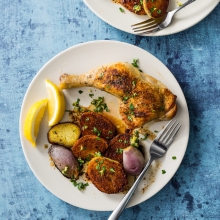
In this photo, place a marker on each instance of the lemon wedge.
(33, 120)
(56, 103)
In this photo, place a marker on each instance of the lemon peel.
(56, 103)
(33, 120)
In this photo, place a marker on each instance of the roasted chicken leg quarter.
(142, 97)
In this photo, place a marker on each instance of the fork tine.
(163, 131)
(145, 25)
(174, 134)
(146, 28)
(151, 31)
(169, 134)
(143, 22)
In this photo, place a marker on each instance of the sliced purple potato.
(64, 161)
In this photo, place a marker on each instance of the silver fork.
(157, 150)
(153, 25)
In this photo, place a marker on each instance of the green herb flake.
(102, 171)
(85, 127)
(163, 171)
(79, 185)
(87, 119)
(137, 8)
(159, 11)
(81, 162)
(100, 105)
(95, 130)
(121, 9)
(135, 63)
(91, 95)
(112, 170)
(145, 137)
(155, 131)
(80, 91)
(119, 150)
(64, 170)
(97, 154)
(98, 138)
(174, 157)
(130, 118)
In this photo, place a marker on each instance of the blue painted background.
(32, 32)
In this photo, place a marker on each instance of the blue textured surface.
(32, 32)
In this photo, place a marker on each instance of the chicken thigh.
(142, 97)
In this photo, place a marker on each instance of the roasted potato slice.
(107, 175)
(92, 123)
(135, 6)
(88, 145)
(65, 134)
(156, 8)
(116, 146)
(64, 160)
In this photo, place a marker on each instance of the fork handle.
(184, 5)
(118, 210)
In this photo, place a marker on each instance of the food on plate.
(56, 104)
(135, 6)
(116, 146)
(93, 123)
(88, 146)
(156, 8)
(65, 134)
(107, 175)
(142, 97)
(133, 161)
(33, 120)
(64, 160)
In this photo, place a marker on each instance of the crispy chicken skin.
(143, 98)
(107, 175)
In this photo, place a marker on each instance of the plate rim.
(48, 63)
(160, 33)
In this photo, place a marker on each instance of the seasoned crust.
(132, 4)
(156, 8)
(113, 152)
(88, 145)
(107, 175)
(93, 123)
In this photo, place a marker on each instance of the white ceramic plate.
(109, 12)
(79, 59)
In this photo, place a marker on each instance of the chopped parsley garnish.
(131, 107)
(130, 118)
(95, 130)
(120, 141)
(80, 91)
(110, 132)
(100, 105)
(64, 170)
(155, 131)
(81, 162)
(163, 171)
(121, 9)
(119, 150)
(102, 171)
(145, 137)
(82, 148)
(79, 185)
(91, 95)
(85, 127)
(135, 63)
(134, 140)
(76, 106)
(137, 8)
(98, 138)
(134, 83)
(112, 170)
(87, 119)
(174, 157)
(97, 154)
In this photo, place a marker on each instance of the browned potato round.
(65, 134)
(116, 146)
(88, 145)
(157, 8)
(92, 123)
(134, 6)
(107, 175)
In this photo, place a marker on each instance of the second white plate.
(109, 12)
